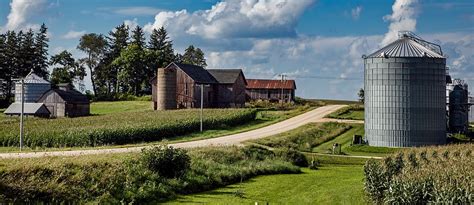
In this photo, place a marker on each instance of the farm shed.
(36, 109)
(65, 102)
(272, 90)
(230, 88)
(222, 87)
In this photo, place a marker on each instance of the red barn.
(271, 90)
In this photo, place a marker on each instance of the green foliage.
(194, 56)
(128, 179)
(352, 112)
(306, 137)
(293, 156)
(94, 46)
(166, 161)
(117, 128)
(67, 69)
(421, 175)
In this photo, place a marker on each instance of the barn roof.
(270, 84)
(197, 73)
(226, 76)
(29, 109)
(69, 96)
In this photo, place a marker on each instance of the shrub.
(314, 164)
(166, 161)
(293, 156)
(257, 152)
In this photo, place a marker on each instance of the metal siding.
(405, 102)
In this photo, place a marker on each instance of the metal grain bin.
(34, 87)
(405, 99)
(459, 107)
(166, 88)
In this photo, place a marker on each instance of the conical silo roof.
(405, 47)
(32, 78)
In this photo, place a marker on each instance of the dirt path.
(316, 115)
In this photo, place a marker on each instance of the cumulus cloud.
(131, 23)
(73, 34)
(21, 11)
(355, 12)
(403, 18)
(136, 10)
(235, 18)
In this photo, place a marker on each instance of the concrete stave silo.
(405, 94)
(166, 88)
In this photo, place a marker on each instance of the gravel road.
(316, 115)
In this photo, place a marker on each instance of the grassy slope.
(100, 108)
(328, 185)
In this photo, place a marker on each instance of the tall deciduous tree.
(94, 46)
(132, 68)
(67, 69)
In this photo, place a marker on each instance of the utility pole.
(283, 76)
(22, 112)
(202, 102)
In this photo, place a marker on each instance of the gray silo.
(458, 107)
(34, 87)
(405, 94)
(166, 88)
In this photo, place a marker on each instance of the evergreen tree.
(11, 63)
(94, 46)
(27, 53)
(138, 37)
(117, 41)
(40, 63)
(161, 50)
(67, 69)
(194, 56)
(3, 66)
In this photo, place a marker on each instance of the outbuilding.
(65, 102)
(271, 90)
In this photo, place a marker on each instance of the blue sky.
(318, 43)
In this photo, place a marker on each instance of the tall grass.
(351, 112)
(128, 178)
(306, 137)
(117, 128)
(423, 175)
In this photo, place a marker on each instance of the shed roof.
(32, 78)
(405, 47)
(69, 96)
(226, 76)
(29, 109)
(270, 84)
(197, 73)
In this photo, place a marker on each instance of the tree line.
(121, 62)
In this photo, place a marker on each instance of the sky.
(317, 43)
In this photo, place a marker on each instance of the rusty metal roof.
(405, 47)
(270, 84)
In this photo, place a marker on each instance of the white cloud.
(73, 34)
(131, 23)
(355, 12)
(235, 18)
(21, 11)
(403, 18)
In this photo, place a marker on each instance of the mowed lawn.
(331, 184)
(100, 108)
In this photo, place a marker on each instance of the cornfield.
(117, 128)
(423, 175)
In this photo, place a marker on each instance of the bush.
(166, 161)
(314, 164)
(422, 175)
(293, 156)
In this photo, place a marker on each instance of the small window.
(185, 89)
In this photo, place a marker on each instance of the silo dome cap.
(405, 46)
(32, 78)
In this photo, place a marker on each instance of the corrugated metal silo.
(405, 99)
(459, 107)
(166, 88)
(34, 87)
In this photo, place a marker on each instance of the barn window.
(185, 89)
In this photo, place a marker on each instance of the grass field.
(352, 112)
(101, 108)
(327, 185)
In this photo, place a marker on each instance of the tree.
(94, 46)
(68, 69)
(194, 56)
(132, 68)
(361, 95)
(161, 48)
(3, 66)
(11, 64)
(117, 41)
(40, 62)
(28, 54)
(138, 37)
